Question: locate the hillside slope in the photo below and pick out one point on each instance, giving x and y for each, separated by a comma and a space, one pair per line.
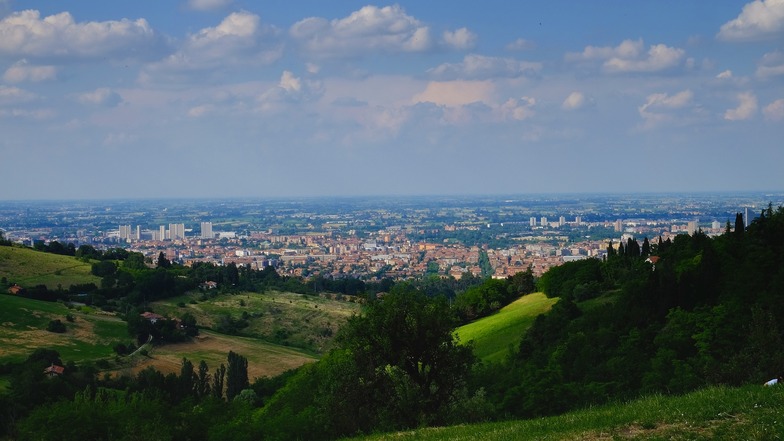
751, 412
28, 268
493, 335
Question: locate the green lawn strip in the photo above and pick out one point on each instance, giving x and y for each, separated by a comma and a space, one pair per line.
750, 412
493, 335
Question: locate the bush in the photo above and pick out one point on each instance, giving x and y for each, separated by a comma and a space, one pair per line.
56, 326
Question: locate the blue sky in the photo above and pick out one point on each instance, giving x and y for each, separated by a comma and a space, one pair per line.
230, 98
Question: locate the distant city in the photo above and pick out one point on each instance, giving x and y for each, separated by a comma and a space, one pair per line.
384, 237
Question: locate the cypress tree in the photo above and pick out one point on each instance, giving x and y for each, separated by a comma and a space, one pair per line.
236, 375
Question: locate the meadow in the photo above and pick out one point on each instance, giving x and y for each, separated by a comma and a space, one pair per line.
23, 324
288, 319
494, 335
28, 267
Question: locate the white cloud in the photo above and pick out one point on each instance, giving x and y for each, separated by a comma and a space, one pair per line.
290, 89
518, 109
208, 5
774, 111
745, 110
239, 39
102, 96
759, 20
629, 56
366, 31
520, 44
26, 34
480, 67
22, 71
456, 93
575, 100
659, 107
771, 65
460, 39
727, 74
199, 111
14, 95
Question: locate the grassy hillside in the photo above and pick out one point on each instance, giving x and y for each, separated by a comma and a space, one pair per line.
23, 325
749, 413
28, 267
493, 335
289, 319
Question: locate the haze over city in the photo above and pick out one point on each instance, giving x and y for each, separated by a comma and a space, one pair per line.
224, 98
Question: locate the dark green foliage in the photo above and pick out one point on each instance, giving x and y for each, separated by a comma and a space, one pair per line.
709, 312
396, 366
236, 375
56, 326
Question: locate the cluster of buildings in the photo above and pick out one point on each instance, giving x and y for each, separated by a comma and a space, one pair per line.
392, 252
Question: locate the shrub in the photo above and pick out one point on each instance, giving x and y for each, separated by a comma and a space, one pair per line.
56, 326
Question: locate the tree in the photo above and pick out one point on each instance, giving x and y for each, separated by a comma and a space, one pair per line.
163, 262
217, 381
646, 248
407, 357
203, 380
236, 375
739, 227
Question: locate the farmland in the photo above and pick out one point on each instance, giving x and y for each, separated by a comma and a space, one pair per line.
27, 268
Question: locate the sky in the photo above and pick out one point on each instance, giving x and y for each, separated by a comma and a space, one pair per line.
231, 98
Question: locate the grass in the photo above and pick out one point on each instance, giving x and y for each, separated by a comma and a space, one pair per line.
748, 413
23, 325
493, 335
28, 268
296, 320
264, 359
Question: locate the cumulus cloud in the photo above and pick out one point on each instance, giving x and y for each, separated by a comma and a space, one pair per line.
59, 36
456, 93
102, 96
238, 39
727, 74
575, 101
520, 44
460, 39
658, 107
208, 5
771, 65
22, 71
368, 30
759, 20
747, 107
481, 67
290, 89
630, 56
518, 109
774, 111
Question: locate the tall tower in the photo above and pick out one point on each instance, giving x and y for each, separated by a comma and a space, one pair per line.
206, 230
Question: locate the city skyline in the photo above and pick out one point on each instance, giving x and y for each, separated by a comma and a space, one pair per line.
230, 98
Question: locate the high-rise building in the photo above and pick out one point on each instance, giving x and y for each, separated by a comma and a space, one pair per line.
206, 230
162, 232
691, 227
618, 226
176, 231
138, 232
532, 222
561, 221
125, 232
578, 220
544, 221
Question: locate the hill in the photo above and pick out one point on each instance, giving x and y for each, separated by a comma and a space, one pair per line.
288, 319
493, 335
751, 412
88, 337
28, 268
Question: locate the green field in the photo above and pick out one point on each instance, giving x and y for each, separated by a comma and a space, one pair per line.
495, 334
747, 413
296, 320
27, 268
23, 325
